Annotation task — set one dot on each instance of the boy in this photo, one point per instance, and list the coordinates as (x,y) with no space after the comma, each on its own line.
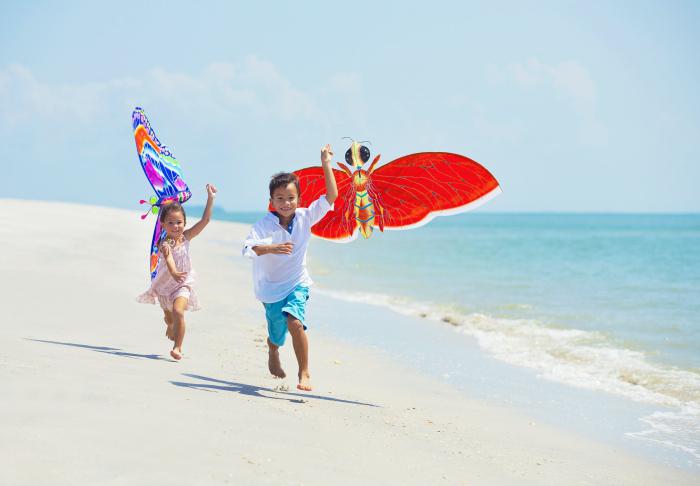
(277,244)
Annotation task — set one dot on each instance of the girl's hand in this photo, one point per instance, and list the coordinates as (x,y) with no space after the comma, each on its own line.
(211,191)
(282,248)
(179,276)
(326,155)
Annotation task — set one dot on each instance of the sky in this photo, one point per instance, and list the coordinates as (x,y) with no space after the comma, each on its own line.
(573,106)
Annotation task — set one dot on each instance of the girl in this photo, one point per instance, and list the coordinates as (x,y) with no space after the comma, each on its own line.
(173,285)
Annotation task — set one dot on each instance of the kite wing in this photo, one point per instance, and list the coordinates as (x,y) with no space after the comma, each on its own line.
(414,189)
(163,172)
(338,225)
(158,235)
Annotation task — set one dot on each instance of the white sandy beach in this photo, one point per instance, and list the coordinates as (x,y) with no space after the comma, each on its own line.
(90,395)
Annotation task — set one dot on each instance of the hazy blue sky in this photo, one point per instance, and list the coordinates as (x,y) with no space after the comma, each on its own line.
(574,106)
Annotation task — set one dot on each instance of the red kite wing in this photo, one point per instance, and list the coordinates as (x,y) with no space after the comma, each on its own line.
(338,225)
(412,190)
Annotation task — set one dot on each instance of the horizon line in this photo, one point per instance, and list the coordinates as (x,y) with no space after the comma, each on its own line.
(481,211)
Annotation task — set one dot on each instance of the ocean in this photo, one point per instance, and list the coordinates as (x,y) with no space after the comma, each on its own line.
(608,303)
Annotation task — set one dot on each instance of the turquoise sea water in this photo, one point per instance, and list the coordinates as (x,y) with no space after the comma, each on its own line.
(634,279)
(608,303)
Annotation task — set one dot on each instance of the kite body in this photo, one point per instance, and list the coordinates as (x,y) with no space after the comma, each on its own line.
(164,173)
(405,193)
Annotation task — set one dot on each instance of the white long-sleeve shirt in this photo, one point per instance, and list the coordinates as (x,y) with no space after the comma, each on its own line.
(275,276)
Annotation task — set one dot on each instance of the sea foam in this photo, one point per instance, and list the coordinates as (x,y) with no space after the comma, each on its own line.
(585,359)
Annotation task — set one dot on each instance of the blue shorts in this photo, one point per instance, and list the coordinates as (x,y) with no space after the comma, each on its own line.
(276,313)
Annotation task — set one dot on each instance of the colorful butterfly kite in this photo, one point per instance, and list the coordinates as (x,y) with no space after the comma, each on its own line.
(405,193)
(164,173)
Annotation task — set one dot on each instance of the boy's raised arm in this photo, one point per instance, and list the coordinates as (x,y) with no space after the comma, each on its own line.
(331,187)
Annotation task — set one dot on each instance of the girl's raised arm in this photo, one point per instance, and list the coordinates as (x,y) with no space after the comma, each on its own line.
(206,216)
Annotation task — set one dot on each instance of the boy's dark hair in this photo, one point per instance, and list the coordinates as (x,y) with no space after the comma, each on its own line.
(172,208)
(282,179)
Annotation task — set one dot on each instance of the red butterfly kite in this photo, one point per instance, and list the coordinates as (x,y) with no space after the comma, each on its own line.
(405,193)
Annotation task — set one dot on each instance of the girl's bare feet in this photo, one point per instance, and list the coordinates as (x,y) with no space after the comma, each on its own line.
(273,360)
(304,382)
(176,353)
(169,331)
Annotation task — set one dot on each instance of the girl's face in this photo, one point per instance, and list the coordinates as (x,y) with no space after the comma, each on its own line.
(174,224)
(285,199)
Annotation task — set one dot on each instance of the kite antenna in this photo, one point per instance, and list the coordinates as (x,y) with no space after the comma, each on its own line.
(353,140)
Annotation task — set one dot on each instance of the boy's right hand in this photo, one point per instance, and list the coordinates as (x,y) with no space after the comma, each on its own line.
(326,155)
(282,248)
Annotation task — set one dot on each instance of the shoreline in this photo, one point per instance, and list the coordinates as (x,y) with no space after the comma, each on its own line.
(79,349)
(456,359)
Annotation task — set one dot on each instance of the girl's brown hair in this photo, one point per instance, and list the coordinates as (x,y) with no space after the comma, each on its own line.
(172,208)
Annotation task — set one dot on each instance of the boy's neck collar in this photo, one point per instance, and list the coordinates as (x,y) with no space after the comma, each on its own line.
(284,223)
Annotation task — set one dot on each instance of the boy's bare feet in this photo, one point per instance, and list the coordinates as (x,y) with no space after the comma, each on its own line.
(273,360)
(176,353)
(304,382)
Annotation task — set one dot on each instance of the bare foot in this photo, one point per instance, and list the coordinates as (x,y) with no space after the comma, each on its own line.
(304,382)
(176,353)
(273,361)
(169,330)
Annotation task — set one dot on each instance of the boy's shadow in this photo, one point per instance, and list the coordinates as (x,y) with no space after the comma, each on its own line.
(212,384)
(254,391)
(104,349)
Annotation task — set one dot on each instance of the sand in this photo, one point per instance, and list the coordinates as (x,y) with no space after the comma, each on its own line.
(91,396)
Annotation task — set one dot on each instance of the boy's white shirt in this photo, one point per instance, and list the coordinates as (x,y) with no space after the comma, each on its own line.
(275,276)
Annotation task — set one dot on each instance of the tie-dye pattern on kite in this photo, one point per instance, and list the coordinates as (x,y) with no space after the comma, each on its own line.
(164,173)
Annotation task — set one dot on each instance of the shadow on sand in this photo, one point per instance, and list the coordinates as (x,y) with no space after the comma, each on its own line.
(210,384)
(104,349)
(213,385)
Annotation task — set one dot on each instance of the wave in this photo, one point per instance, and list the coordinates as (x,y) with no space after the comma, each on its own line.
(586,359)
(674,429)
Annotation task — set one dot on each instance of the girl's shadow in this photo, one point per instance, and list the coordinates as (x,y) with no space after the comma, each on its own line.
(104,349)
(254,391)
(211,384)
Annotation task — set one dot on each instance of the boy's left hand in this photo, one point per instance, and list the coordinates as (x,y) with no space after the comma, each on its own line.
(326,154)
(211,191)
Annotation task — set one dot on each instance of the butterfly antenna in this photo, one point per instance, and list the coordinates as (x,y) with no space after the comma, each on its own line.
(152,209)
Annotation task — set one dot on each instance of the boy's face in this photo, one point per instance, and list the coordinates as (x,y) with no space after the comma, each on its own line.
(285,199)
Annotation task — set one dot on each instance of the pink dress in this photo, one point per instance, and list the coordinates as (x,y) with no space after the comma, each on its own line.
(165,288)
